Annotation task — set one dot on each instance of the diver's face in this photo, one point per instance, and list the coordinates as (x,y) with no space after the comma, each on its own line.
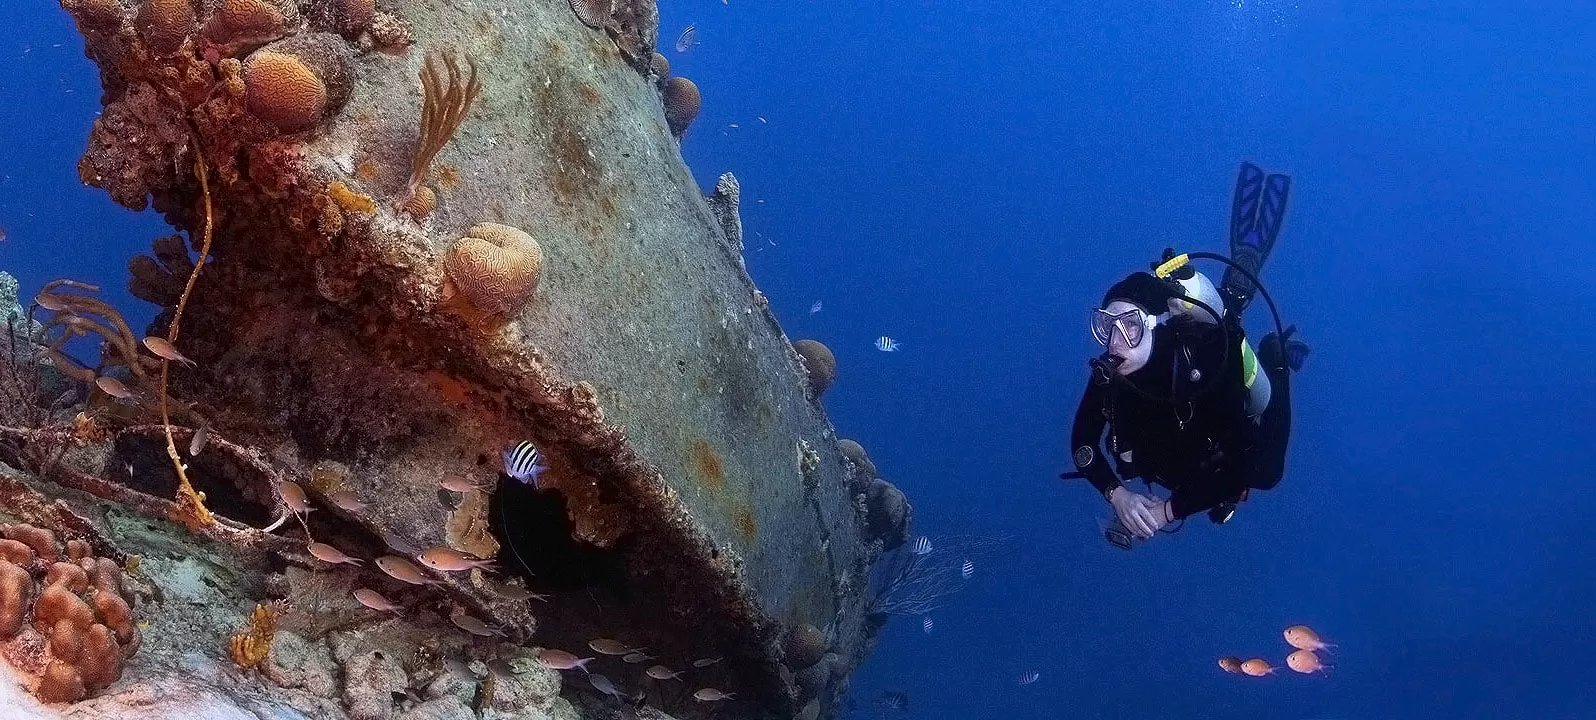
(1131,358)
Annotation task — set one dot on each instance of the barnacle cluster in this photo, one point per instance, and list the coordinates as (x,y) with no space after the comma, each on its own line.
(66,619)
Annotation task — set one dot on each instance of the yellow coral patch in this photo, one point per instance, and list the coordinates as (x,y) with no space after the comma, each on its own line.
(350,200)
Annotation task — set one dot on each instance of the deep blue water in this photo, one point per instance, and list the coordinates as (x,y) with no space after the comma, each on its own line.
(969,180)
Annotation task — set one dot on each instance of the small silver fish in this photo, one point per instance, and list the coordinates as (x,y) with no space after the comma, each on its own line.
(606,646)
(886,344)
(197,443)
(814,308)
(347,500)
(968,569)
(922,545)
(166,351)
(927,624)
(330,554)
(458,483)
(294,497)
(562,660)
(712,695)
(374,600)
(448,559)
(660,672)
(687,39)
(705,662)
(403,570)
(636,657)
(474,626)
(399,544)
(603,685)
(113,387)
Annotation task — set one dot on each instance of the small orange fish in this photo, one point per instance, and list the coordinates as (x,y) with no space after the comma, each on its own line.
(712,695)
(164,350)
(1302,638)
(474,626)
(330,554)
(113,387)
(1230,664)
(562,660)
(1305,662)
(49,302)
(660,672)
(1256,668)
(451,560)
(294,497)
(347,500)
(374,600)
(403,570)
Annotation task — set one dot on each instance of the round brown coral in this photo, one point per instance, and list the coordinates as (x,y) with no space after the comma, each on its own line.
(422,203)
(240,23)
(819,362)
(889,512)
(593,13)
(83,624)
(867,468)
(496,267)
(660,65)
(804,646)
(95,17)
(355,15)
(293,84)
(165,24)
(682,101)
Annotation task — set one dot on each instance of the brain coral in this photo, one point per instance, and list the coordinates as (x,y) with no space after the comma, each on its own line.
(292,84)
(819,362)
(660,65)
(857,455)
(593,13)
(682,101)
(496,267)
(804,646)
(240,23)
(165,24)
(82,620)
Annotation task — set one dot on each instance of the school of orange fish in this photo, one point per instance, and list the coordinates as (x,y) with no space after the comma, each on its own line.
(1305,659)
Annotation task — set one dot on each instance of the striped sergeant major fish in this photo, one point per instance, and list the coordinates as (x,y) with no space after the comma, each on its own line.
(524,463)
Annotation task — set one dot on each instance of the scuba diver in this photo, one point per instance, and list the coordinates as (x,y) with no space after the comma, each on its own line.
(1186,402)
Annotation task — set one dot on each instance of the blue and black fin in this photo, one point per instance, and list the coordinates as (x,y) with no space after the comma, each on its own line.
(1257,212)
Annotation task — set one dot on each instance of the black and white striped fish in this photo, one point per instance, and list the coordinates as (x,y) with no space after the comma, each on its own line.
(523,462)
(1028,677)
(968,569)
(927,624)
(922,545)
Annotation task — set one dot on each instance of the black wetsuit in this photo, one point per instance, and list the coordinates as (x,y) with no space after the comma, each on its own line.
(1207,451)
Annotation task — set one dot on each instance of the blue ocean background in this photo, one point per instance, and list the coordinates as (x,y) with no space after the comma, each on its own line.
(969,179)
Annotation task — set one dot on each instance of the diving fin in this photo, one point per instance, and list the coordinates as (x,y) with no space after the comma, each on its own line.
(1257,212)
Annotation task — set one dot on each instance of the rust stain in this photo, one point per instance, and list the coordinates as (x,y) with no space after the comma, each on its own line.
(453,389)
(711,471)
(747,525)
(590,96)
(366,170)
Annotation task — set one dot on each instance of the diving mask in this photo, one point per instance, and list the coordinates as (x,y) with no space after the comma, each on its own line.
(1131,326)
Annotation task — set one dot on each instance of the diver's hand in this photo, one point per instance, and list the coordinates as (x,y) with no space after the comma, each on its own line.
(1138,513)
